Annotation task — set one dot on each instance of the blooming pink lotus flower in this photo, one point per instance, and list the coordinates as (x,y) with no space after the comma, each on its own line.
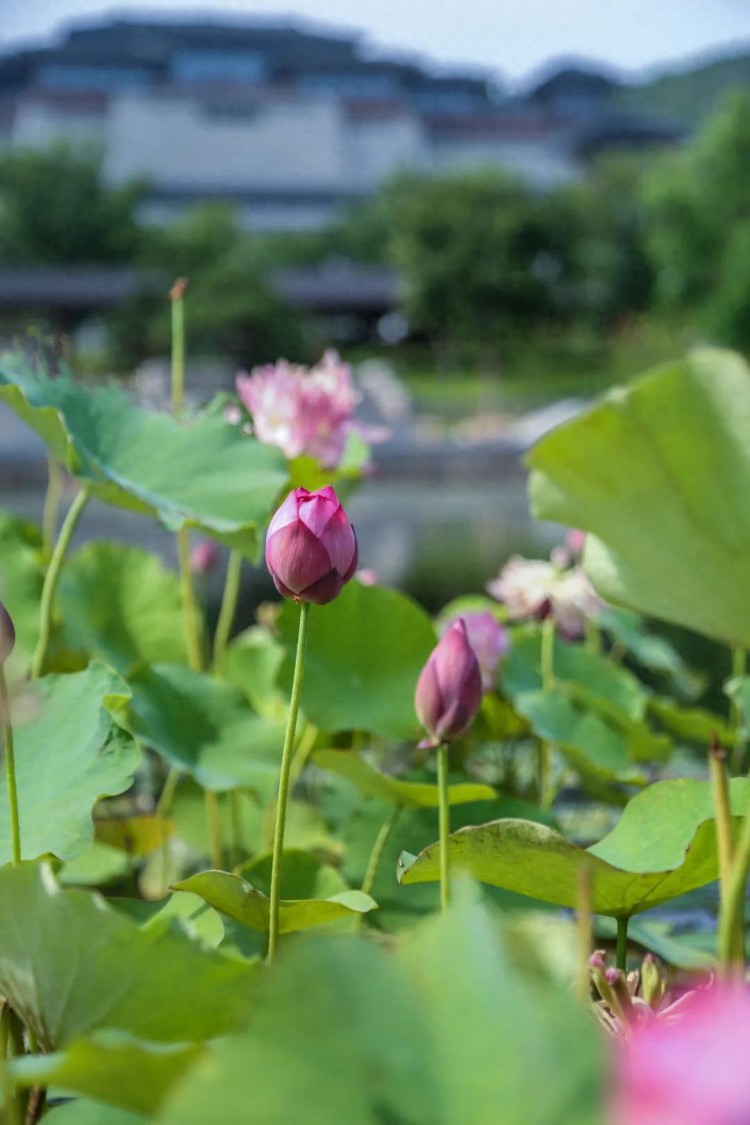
(311,548)
(449,689)
(534,589)
(204,557)
(304,411)
(688,1070)
(488,638)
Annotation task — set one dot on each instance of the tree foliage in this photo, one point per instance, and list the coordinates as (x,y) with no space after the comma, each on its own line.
(55,209)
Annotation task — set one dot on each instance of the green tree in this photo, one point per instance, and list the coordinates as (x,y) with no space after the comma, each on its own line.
(232,309)
(614,275)
(56,209)
(484,260)
(697,206)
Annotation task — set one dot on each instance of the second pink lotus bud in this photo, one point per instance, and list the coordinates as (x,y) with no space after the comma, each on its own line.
(449,689)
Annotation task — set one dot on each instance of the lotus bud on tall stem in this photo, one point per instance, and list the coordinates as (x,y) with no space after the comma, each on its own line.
(311,552)
(447,699)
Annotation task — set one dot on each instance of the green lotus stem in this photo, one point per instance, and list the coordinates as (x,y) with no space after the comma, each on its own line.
(547,670)
(163,806)
(724,834)
(283,795)
(177,296)
(621,957)
(52,578)
(378,847)
(584,928)
(444,822)
(51,505)
(10,770)
(739,669)
(227,613)
(11,1110)
(302,753)
(235,818)
(213,815)
(191,612)
(732,902)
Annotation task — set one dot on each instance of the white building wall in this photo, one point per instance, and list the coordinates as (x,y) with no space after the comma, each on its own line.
(176,143)
(541,163)
(39,125)
(376,150)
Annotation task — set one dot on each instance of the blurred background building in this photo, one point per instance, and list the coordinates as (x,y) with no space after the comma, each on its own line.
(287,123)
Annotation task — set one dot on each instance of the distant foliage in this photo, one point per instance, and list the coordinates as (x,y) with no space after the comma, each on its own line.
(56,210)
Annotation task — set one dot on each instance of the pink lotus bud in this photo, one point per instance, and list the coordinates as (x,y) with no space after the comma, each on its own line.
(204,557)
(489,639)
(311,548)
(449,689)
(7,634)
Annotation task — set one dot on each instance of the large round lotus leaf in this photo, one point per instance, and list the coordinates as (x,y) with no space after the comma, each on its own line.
(242,901)
(69,751)
(659,473)
(103,1067)
(198,472)
(403,794)
(436,1030)
(663,846)
(364,655)
(136,614)
(204,727)
(70,965)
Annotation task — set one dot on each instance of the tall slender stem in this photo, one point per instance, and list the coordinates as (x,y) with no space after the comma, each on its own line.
(378,847)
(235,820)
(213,813)
(547,670)
(52,578)
(739,668)
(52,500)
(283,795)
(732,902)
(724,833)
(177,297)
(444,822)
(10,770)
(228,610)
(622,944)
(190,610)
(10,1103)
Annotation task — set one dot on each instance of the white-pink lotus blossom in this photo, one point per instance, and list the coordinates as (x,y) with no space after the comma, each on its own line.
(534,589)
(305,411)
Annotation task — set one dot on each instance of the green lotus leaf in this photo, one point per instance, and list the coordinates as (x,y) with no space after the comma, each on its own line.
(70,750)
(198,472)
(659,473)
(104,1067)
(405,794)
(232,895)
(364,655)
(205,728)
(663,845)
(70,965)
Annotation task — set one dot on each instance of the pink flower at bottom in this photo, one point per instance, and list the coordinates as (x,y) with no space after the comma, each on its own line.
(693,1069)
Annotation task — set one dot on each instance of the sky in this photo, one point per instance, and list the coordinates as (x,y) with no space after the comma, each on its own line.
(513,38)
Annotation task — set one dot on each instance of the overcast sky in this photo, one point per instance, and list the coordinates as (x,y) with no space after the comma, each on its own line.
(513,37)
